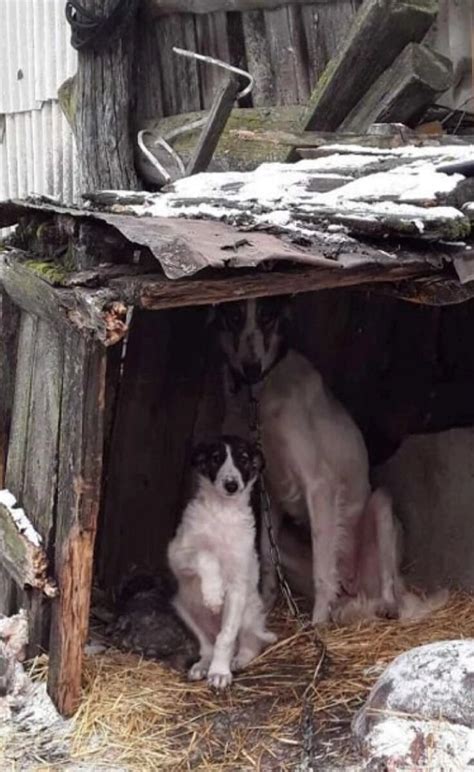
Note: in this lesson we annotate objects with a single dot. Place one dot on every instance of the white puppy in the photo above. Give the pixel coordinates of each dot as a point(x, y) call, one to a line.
point(214, 560)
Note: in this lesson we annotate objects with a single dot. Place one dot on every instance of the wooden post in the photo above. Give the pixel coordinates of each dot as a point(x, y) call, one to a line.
point(79, 485)
point(404, 91)
point(102, 119)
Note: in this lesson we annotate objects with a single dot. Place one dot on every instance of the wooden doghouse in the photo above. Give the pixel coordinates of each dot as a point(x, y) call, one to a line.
point(95, 423)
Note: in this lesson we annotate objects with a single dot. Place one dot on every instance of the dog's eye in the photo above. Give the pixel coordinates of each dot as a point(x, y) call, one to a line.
point(244, 456)
point(215, 457)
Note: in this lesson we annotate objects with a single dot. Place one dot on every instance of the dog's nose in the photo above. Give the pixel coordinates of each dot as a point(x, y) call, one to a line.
point(252, 371)
point(231, 486)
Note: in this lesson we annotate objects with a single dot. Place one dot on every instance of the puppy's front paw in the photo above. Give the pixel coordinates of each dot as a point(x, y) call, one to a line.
point(198, 671)
point(219, 680)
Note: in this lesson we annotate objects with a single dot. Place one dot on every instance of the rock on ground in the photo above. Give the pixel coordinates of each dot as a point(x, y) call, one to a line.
point(421, 710)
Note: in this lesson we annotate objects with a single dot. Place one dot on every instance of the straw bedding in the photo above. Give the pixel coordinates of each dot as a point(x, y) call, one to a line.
point(294, 703)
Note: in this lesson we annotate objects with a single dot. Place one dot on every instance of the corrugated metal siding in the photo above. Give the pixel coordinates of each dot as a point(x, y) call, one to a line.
point(37, 153)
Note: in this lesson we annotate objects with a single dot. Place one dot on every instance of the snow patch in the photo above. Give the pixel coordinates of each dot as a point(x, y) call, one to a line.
point(19, 517)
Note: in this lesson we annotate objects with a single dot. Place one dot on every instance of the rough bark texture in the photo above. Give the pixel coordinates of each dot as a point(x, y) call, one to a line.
point(104, 97)
point(381, 29)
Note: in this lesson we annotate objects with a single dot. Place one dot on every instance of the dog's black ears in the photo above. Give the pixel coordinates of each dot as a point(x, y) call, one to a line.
point(199, 455)
point(257, 459)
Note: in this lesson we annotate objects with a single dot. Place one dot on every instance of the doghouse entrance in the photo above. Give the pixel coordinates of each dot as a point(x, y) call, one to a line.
point(400, 368)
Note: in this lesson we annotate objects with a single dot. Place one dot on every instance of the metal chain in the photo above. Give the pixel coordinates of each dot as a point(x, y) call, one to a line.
point(254, 425)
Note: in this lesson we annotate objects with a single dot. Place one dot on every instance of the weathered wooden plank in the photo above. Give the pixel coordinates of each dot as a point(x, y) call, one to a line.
point(78, 500)
point(326, 26)
point(14, 478)
point(212, 40)
point(163, 7)
point(9, 322)
point(288, 55)
point(381, 29)
point(179, 76)
point(403, 91)
point(41, 460)
point(218, 115)
point(21, 551)
point(259, 63)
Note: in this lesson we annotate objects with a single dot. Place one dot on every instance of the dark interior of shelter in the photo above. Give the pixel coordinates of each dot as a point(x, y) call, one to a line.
point(401, 368)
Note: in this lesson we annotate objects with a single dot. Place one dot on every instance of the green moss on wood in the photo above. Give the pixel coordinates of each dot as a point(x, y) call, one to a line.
point(236, 151)
point(48, 270)
point(67, 97)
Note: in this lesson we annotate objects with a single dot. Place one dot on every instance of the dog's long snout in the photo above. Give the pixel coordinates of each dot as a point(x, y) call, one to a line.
point(231, 486)
point(252, 371)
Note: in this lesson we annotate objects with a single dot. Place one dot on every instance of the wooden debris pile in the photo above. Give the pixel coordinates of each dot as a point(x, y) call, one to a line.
point(385, 75)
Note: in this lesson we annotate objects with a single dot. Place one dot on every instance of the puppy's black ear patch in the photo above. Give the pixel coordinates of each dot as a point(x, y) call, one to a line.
point(257, 459)
point(199, 456)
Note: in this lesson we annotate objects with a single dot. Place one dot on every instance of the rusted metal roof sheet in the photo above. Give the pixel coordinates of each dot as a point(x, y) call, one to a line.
point(185, 247)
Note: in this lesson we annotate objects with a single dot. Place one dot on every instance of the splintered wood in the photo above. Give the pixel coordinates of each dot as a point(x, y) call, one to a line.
point(22, 555)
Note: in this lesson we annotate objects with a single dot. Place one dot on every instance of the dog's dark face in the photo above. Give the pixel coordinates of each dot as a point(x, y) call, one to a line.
point(229, 463)
point(251, 335)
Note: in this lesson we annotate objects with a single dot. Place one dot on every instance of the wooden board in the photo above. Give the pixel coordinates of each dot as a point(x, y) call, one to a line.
point(381, 29)
point(78, 500)
point(288, 54)
point(403, 91)
point(33, 449)
point(157, 407)
point(9, 321)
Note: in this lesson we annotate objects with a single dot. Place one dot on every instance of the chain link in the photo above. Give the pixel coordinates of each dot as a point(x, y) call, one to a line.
point(255, 428)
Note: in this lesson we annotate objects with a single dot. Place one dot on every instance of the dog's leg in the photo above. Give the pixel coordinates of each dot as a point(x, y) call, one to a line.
point(212, 587)
point(322, 510)
point(253, 635)
point(388, 549)
point(199, 669)
point(220, 675)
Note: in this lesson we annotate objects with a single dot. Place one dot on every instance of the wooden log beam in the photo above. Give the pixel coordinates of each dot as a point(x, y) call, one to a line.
point(155, 293)
point(64, 307)
point(79, 485)
point(21, 553)
point(102, 117)
point(218, 115)
point(164, 7)
point(256, 135)
point(404, 91)
point(381, 30)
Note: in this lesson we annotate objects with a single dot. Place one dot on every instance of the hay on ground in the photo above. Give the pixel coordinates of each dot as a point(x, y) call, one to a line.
point(296, 699)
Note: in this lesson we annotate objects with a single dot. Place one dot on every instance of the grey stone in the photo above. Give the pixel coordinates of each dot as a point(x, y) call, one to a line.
point(421, 710)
